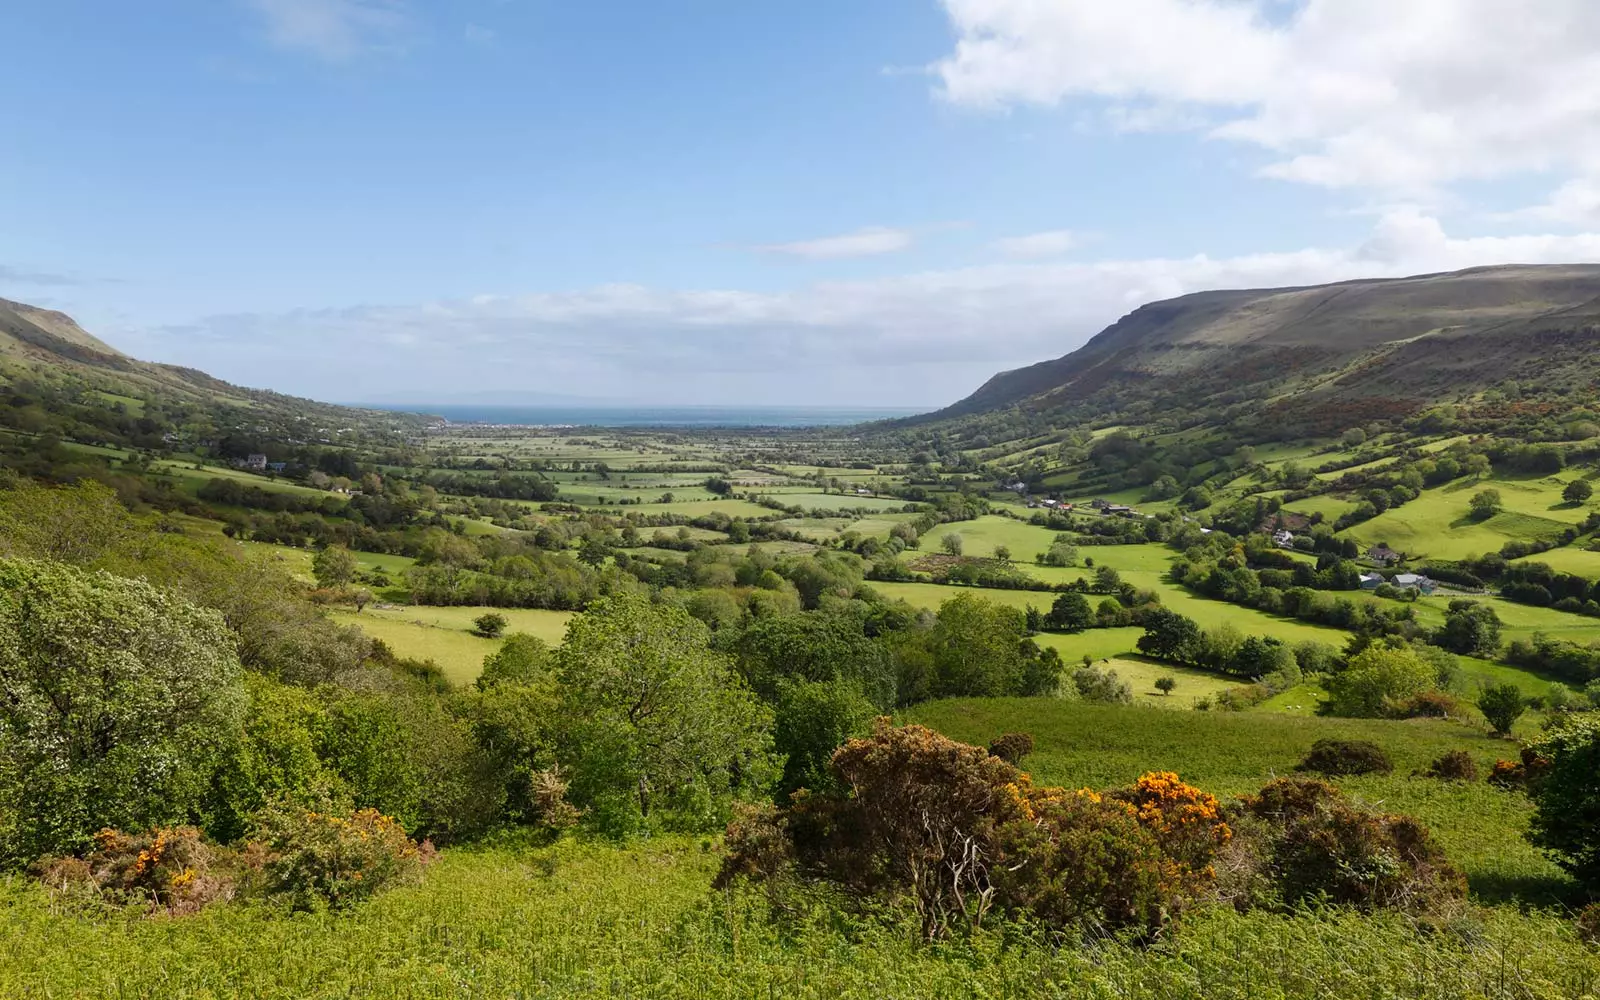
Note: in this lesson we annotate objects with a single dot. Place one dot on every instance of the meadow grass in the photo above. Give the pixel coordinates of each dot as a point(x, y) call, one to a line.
point(1575, 559)
point(445, 636)
point(298, 561)
point(591, 920)
point(1519, 621)
point(1437, 523)
point(699, 508)
point(191, 479)
point(980, 537)
point(835, 501)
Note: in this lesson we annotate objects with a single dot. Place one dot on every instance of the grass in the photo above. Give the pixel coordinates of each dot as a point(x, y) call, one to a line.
point(298, 561)
point(1519, 621)
point(445, 636)
point(1573, 559)
point(837, 501)
point(1436, 524)
point(191, 479)
point(592, 920)
point(931, 595)
point(980, 537)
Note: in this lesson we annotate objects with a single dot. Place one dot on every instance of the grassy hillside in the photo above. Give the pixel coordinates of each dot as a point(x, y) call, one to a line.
point(593, 919)
point(1299, 350)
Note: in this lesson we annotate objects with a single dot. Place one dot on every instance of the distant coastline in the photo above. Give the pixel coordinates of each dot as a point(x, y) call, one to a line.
point(655, 416)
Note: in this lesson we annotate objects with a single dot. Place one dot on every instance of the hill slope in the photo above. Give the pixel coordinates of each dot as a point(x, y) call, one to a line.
point(42, 344)
point(1327, 353)
point(57, 380)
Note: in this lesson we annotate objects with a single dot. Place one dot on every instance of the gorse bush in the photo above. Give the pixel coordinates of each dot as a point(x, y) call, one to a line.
point(1315, 845)
point(1457, 765)
point(1011, 747)
point(1336, 758)
point(169, 870)
point(313, 860)
point(957, 833)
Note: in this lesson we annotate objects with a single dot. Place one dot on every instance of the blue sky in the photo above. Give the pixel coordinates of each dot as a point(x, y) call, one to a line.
point(825, 202)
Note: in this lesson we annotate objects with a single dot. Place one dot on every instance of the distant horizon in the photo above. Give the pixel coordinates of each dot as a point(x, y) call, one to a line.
point(591, 414)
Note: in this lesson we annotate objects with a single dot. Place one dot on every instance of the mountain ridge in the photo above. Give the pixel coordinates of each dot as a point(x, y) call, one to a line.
point(1354, 339)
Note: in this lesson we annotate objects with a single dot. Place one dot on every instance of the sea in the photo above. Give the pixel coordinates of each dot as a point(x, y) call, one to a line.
point(660, 416)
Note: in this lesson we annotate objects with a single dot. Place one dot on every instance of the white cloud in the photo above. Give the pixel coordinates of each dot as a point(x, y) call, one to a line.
point(1400, 96)
point(335, 30)
point(1575, 202)
point(914, 339)
point(477, 34)
point(867, 242)
point(1051, 243)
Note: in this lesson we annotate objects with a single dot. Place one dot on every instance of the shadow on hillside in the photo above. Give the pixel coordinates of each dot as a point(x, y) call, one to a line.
point(1525, 890)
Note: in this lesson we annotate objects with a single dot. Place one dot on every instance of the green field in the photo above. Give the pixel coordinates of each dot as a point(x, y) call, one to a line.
point(298, 561)
point(191, 479)
point(1437, 523)
point(444, 635)
point(1572, 559)
point(837, 501)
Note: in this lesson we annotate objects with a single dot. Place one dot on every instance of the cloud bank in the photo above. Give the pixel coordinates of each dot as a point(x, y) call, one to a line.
point(917, 339)
point(1374, 94)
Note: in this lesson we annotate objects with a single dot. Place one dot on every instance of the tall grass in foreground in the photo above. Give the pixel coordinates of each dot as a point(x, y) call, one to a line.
point(594, 920)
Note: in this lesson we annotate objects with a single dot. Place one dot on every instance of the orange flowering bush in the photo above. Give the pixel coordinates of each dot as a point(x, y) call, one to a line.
point(316, 859)
point(1076, 860)
point(1187, 821)
point(166, 870)
point(959, 832)
point(1519, 773)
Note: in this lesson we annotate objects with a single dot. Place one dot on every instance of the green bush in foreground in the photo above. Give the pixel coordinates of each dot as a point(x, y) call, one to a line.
point(1566, 794)
point(116, 703)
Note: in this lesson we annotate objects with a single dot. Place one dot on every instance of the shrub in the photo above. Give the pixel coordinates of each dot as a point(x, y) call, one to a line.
point(1589, 924)
point(1502, 705)
point(1455, 765)
point(1566, 795)
point(1075, 861)
point(314, 860)
point(1428, 705)
point(117, 702)
point(548, 792)
point(1166, 684)
point(1316, 845)
point(490, 625)
point(1011, 747)
point(1242, 698)
point(1377, 679)
point(1187, 821)
point(1094, 684)
point(1337, 758)
point(957, 832)
point(167, 870)
point(1511, 774)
